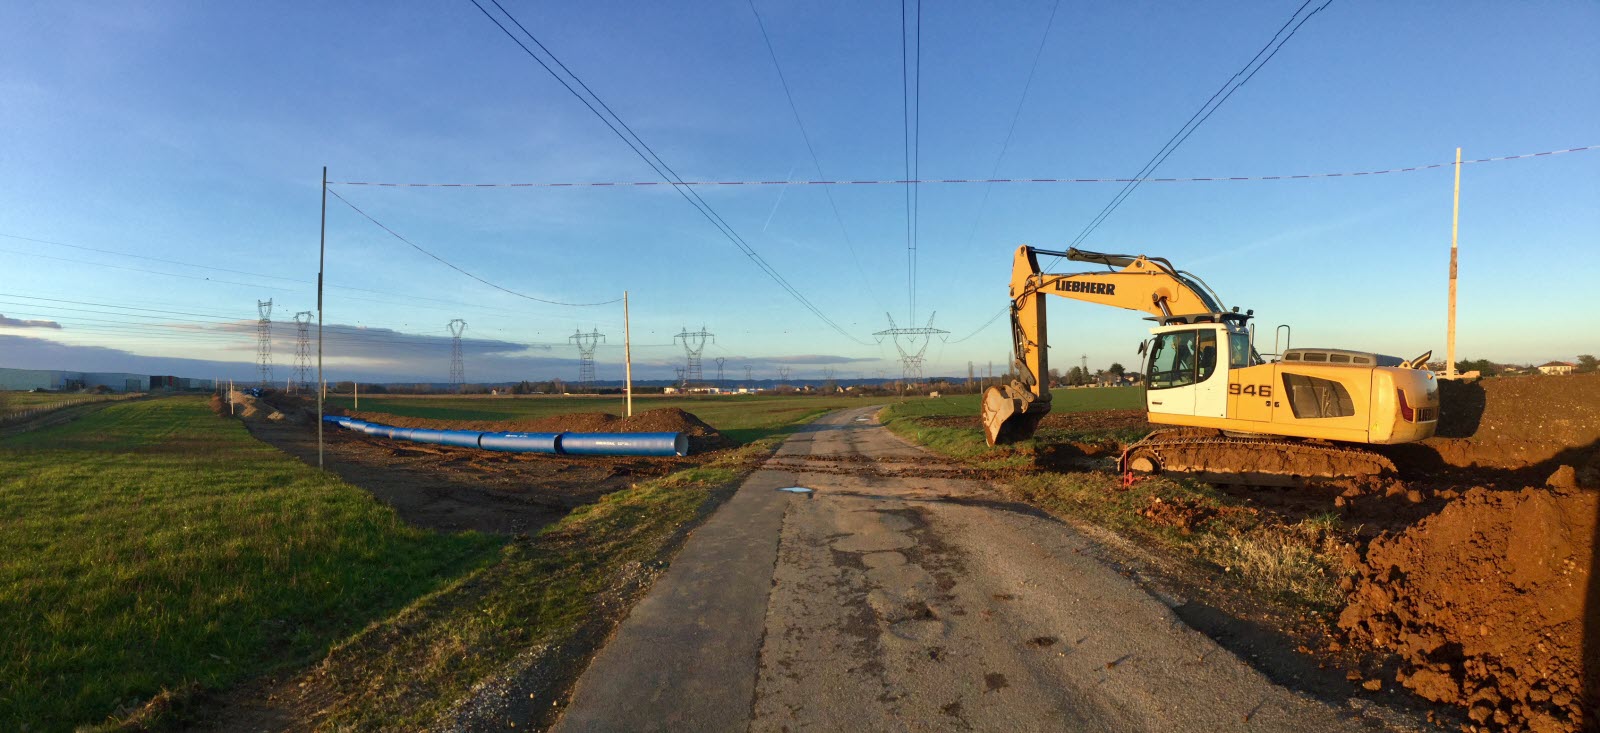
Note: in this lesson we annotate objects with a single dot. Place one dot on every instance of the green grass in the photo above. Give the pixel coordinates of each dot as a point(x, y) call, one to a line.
point(405, 673)
point(23, 400)
point(154, 547)
point(743, 418)
point(966, 442)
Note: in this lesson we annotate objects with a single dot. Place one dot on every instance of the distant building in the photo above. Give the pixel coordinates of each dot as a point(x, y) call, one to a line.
point(59, 380)
point(1556, 367)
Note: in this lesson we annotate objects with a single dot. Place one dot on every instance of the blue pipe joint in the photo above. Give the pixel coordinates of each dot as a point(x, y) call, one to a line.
point(625, 444)
point(520, 442)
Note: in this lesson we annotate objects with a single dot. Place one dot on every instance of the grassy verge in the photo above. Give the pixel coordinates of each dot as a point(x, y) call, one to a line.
point(933, 423)
point(1291, 563)
point(406, 672)
point(151, 550)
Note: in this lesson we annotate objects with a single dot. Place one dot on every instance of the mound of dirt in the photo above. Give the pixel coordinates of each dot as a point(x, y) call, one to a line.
point(702, 437)
point(1485, 603)
point(1512, 423)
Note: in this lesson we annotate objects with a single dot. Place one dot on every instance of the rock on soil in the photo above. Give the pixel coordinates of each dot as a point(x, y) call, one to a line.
point(1485, 604)
point(702, 437)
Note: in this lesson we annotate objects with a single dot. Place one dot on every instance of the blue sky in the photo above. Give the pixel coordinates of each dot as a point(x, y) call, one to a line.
point(196, 133)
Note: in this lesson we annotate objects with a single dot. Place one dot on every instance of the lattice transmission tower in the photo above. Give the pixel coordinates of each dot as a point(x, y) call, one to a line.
point(682, 383)
point(906, 341)
point(720, 361)
point(586, 343)
point(694, 344)
point(264, 342)
point(458, 369)
point(783, 374)
point(747, 379)
point(302, 350)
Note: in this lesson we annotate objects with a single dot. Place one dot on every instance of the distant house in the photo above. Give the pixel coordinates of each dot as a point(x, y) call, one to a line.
point(1556, 367)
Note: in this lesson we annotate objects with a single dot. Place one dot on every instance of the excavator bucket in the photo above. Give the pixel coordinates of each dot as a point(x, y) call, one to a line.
point(1010, 415)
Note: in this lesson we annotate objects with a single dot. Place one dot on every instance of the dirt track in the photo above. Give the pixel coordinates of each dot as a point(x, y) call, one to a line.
point(910, 597)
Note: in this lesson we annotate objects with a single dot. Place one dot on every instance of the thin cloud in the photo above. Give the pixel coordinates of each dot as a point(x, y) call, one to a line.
point(18, 323)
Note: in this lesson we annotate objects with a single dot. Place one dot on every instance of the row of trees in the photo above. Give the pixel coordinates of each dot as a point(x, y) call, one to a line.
point(1586, 364)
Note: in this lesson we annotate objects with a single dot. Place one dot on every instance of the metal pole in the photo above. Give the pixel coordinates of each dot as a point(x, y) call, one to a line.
point(358, 394)
point(627, 353)
point(1455, 228)
point(322, 251)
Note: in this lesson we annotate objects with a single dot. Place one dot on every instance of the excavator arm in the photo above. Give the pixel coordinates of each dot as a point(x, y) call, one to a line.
point(1140, 283)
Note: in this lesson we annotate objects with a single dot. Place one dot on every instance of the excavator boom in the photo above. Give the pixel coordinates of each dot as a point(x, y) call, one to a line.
point(1150, 285)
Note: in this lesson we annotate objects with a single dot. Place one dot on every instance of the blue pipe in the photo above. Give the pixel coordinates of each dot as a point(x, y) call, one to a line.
point(521, 442)
point(624, 444)
point(579, 444)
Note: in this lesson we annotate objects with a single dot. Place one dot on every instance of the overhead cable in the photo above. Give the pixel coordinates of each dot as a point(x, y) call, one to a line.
point(452, 266)
point(815, 160)
point(901, 181)
point(1248, 71)
point(650, 157)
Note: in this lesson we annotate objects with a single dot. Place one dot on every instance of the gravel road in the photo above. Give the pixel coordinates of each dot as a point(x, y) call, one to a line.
point(898, 596)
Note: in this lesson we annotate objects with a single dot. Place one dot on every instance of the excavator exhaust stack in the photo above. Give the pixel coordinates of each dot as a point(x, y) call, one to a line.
point(1011, 413)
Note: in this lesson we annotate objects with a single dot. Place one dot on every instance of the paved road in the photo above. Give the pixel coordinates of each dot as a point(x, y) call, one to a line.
point(897, 597)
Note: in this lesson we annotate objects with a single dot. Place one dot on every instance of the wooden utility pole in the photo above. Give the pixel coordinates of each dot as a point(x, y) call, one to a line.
point(1455, 228)
point(322, 251)
point(627, 355)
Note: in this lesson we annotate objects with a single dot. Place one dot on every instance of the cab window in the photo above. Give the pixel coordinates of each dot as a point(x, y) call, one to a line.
point(1171, 360)
point(1238, 350)
point(1182, 358)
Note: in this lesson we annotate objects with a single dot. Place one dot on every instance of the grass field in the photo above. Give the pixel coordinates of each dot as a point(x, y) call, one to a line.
point(152, 547)
point(21, 400)
point(967, 442)
point(743, 418)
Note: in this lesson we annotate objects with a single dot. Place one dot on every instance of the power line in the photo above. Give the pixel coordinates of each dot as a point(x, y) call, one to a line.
point(652, 159)
point(1196, 120)
point(1005, 145)
point(815, 160)
point(307, 283)
point(924, 181)
point(452, 266)
point(916, 166)
point(905, 128)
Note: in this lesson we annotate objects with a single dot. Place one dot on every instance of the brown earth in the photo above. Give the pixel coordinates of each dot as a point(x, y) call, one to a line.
point(1509, 432)
point(456, 489)
point(1484, 603)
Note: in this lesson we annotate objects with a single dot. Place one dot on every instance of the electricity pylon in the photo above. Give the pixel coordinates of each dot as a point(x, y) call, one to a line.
point(264, 342)
point(458, 370)
point(694, 343)
point(586, 345)
point(302, 350)
point(906, 341)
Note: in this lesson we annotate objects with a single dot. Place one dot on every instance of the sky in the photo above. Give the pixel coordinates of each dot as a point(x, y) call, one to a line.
point(161, 169)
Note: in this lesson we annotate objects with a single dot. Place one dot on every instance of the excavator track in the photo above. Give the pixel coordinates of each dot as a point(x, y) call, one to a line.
point(1211, 456)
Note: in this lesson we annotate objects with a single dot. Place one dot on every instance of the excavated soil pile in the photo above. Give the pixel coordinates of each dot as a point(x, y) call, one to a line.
point(1513, 423)
point(1484, 603)
point(702, 437)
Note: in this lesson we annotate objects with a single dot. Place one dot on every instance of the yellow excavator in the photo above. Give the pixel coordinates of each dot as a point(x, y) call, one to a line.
point(1239, 418)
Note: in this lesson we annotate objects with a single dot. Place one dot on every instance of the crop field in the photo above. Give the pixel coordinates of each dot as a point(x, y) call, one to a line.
point(742, 418)
point(151, 549)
